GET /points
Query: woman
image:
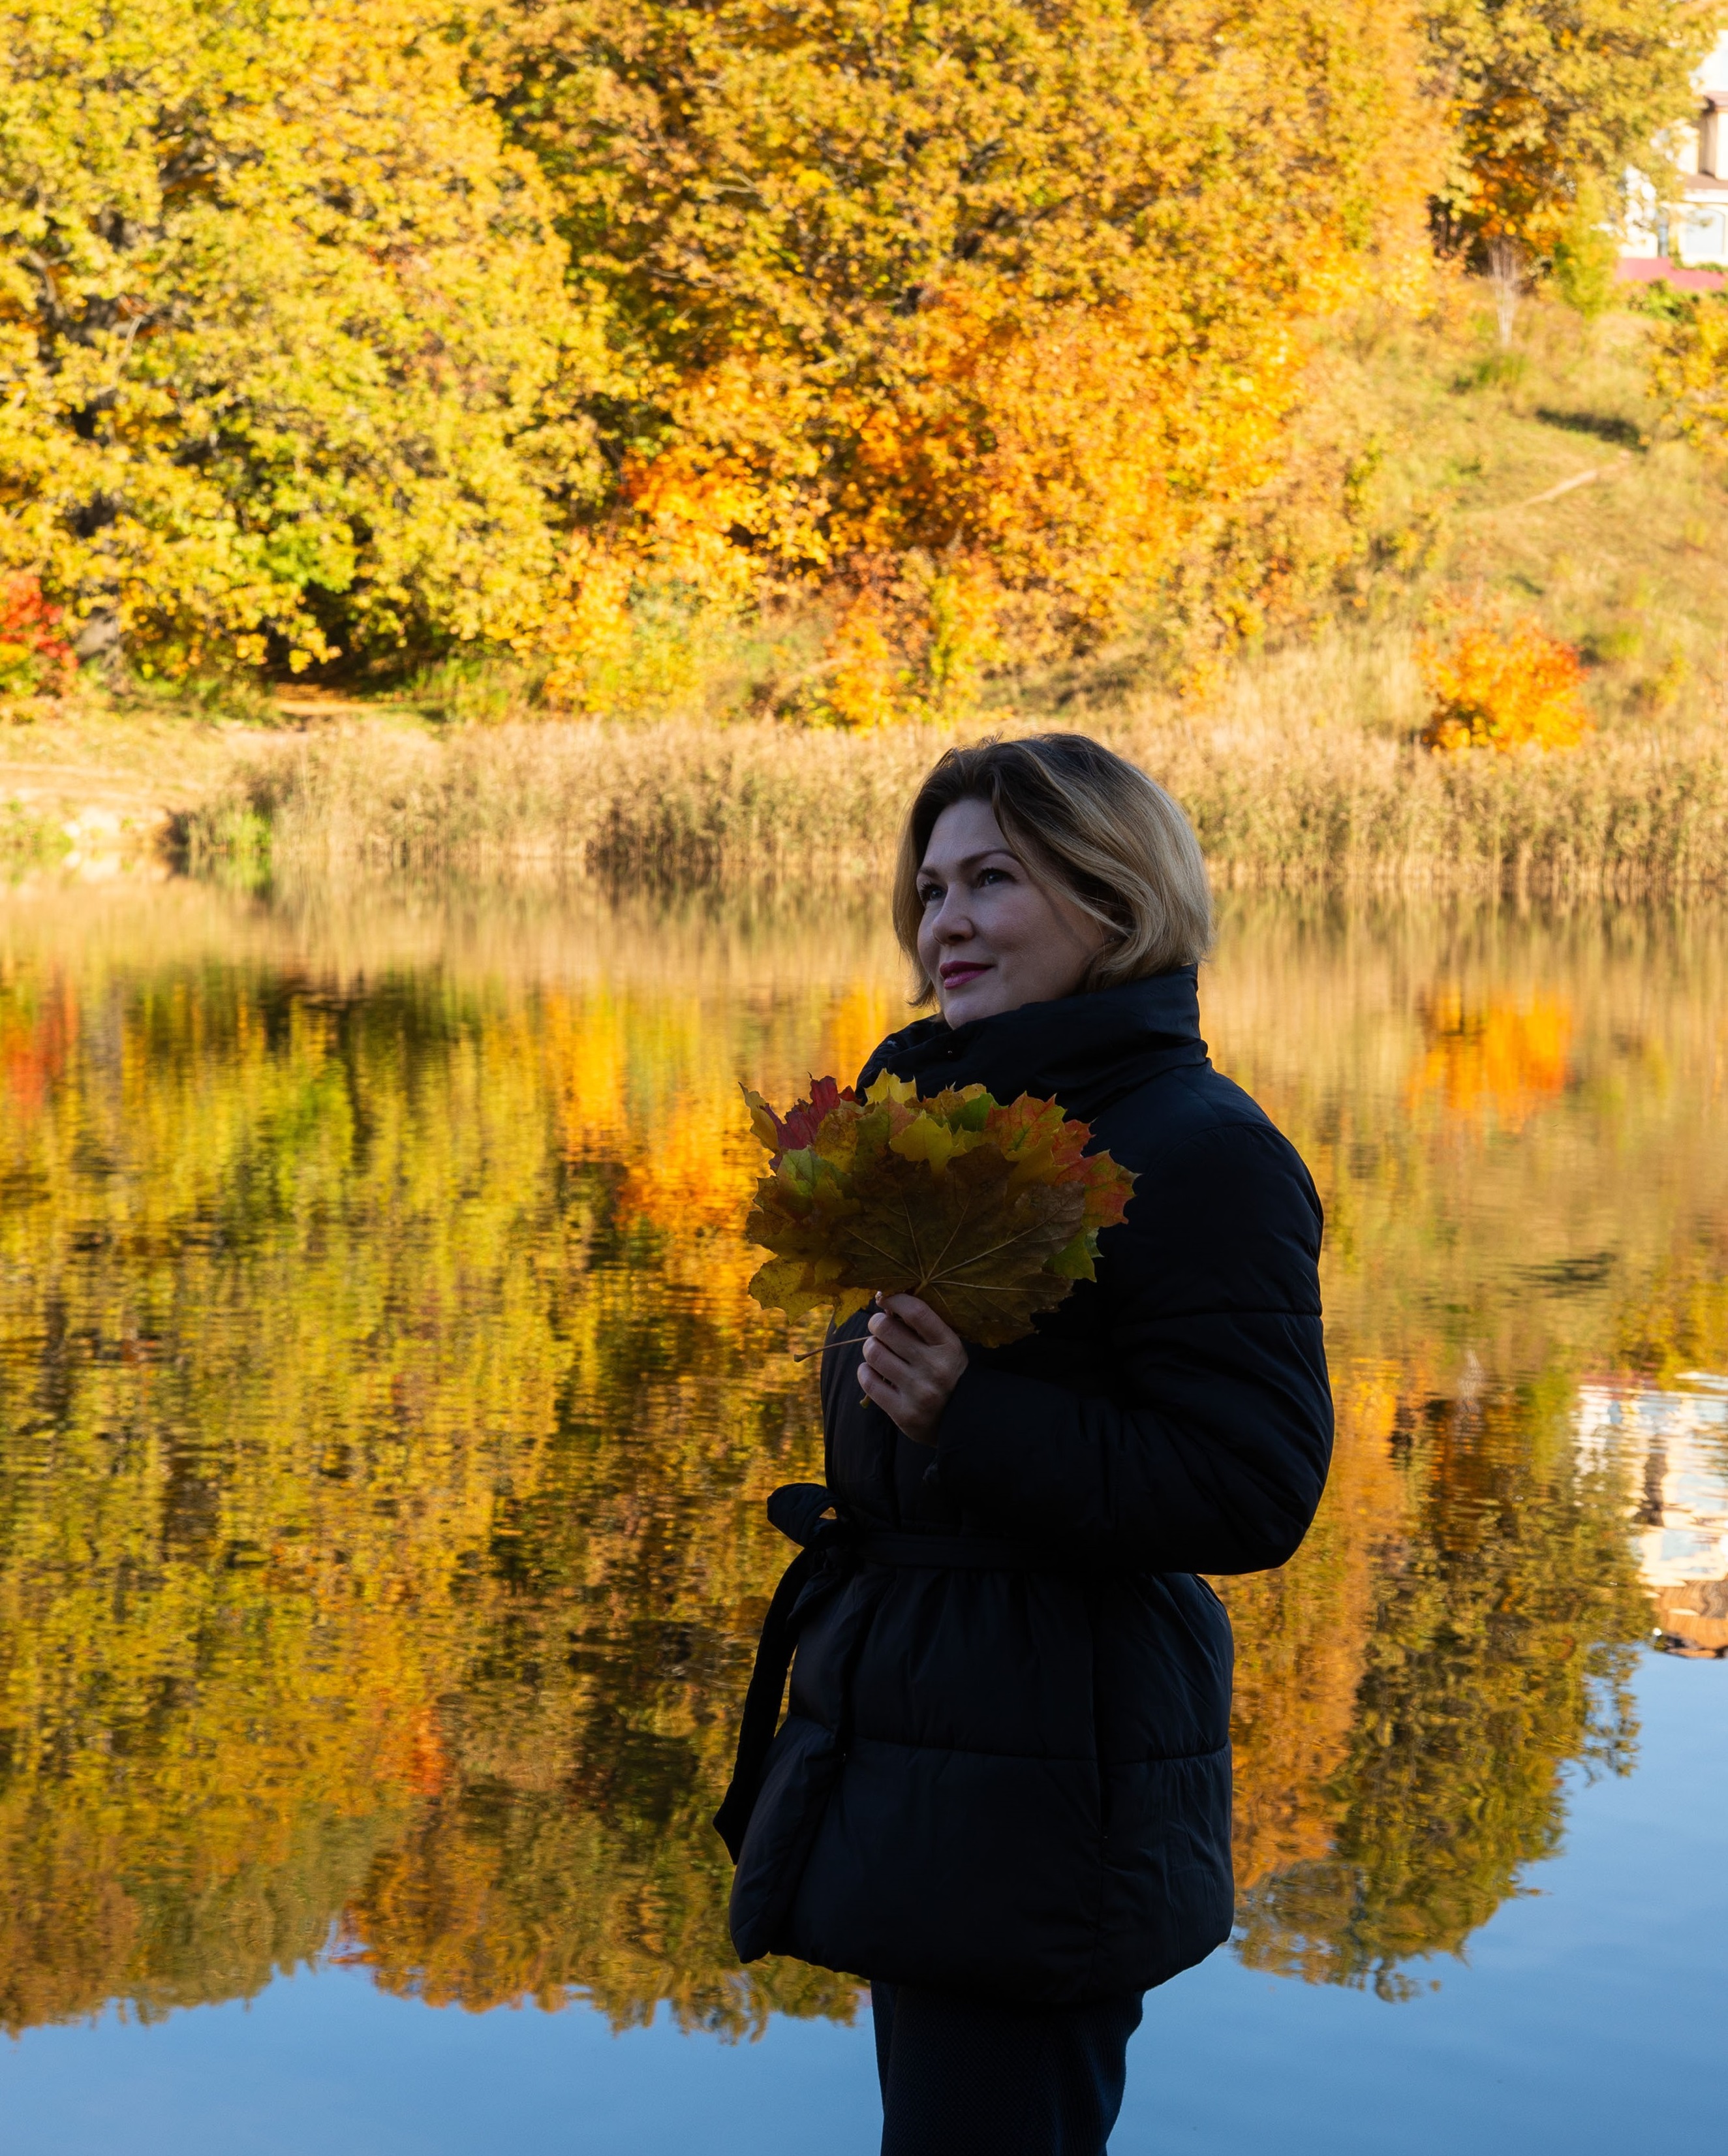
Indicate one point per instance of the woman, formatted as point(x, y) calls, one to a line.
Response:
point(1003, 1789)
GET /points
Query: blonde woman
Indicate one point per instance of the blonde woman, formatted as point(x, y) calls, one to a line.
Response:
point(1002, 1790)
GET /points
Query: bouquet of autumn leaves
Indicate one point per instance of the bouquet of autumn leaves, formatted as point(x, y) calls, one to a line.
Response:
point(988, 1213)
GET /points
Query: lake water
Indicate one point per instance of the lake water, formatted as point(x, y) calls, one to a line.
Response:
point(383, 1435)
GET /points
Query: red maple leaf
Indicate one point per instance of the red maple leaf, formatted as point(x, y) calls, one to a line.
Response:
point(797, 1128)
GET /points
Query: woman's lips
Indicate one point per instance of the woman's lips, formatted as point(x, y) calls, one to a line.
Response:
point(957, 976)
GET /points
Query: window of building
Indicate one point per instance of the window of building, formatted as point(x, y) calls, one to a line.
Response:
point(1702, 236)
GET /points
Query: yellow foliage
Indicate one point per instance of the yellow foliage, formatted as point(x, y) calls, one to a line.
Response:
point(867, 672)
point(1503, 683)
point(339, 326)
point(1548, 101)
point(288, 361)
point(1689, 371)
point(351, 329)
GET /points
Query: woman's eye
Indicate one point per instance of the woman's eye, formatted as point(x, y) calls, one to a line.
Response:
point(930, 894)
point(993, 875)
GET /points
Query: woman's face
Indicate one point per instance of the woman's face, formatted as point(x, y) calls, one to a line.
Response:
point(990, 937)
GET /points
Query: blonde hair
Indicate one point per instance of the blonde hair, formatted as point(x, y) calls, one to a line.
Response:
point(1089, 826)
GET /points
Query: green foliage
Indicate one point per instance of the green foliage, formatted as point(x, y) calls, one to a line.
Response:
point(29, 840)
point(1495, 369)
point(1585, 257)
point(1660, 299)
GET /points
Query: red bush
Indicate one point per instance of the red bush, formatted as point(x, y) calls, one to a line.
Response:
point(34, 657)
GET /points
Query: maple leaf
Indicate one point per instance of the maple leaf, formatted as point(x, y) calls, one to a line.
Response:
point(988, 1214)
point(976, 1251)
point(797, 1128)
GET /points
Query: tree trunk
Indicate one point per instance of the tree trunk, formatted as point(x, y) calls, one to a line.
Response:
point(1505, 276)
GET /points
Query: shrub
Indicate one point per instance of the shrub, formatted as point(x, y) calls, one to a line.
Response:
point(1585, 263)
point(33, 656)
point(1688, 370)
point(1503, 684)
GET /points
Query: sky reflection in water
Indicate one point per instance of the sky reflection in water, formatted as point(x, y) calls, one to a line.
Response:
point(382, 1435)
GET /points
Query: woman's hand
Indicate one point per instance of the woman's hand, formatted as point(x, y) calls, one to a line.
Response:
point(912, 1363)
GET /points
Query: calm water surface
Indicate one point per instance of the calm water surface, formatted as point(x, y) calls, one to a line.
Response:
point(383, 1431)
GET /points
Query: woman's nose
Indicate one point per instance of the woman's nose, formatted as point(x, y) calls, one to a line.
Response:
point(952, 920)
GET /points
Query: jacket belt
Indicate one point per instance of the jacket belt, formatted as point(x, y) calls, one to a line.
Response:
point(832, 1549)
point(964, 1553)
point(761, 1702)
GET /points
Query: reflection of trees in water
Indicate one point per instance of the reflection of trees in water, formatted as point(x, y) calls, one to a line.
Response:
point(1497, 1649)
point(383, 1431)
point(376, 1457)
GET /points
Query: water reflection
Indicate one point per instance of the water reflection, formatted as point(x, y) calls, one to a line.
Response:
point(1675, 1445)
point(383, 1427)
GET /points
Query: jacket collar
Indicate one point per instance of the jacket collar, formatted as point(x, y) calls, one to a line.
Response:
point(1086, 1050)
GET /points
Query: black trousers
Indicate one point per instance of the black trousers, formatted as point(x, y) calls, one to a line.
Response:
point(964, 2076)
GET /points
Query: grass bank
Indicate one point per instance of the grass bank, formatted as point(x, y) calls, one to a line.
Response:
point(1304, 771)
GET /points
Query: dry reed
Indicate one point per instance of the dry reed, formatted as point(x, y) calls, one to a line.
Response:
point(686, 804)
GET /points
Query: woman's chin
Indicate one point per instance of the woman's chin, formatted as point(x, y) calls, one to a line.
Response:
point(982, 997)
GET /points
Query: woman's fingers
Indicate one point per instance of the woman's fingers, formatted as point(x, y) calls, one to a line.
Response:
point(894, 1332)
point(881, 1357)
point(917, 1314)
point(911, 1364)
point(906, 1380)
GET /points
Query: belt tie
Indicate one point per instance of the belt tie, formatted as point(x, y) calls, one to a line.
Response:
point(833, 1549)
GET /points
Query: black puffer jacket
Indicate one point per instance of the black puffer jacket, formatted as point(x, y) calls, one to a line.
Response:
point(1006, 1768)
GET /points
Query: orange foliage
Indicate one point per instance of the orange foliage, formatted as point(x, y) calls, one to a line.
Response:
point(1070, 450)
point(1503, 684)
point(1300, 1636)
point(1011, 480)
point(411, 1749)
point(976, 320)
point(1503, 1060)
point(33, 1048)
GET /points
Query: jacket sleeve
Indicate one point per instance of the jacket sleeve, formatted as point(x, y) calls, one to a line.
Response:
point(1210, 1452)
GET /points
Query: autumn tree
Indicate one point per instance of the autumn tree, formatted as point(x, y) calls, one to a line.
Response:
point(290, 366)
point(1550, 102)
point(362, 331)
